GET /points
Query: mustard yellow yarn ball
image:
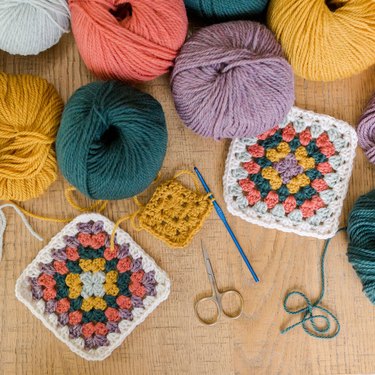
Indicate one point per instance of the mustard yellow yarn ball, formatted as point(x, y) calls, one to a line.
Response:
point(30, 112)
point(325, 40)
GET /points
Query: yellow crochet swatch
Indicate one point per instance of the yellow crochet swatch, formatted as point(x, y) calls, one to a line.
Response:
point(175, 214)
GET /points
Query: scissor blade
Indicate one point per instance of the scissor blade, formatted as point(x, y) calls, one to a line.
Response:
point(209, 269)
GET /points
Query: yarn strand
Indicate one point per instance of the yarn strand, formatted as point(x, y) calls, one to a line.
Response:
point(308, 311)
point(3, 224)
point(97, 206)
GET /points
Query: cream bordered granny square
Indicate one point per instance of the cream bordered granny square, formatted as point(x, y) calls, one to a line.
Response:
point(294, 177)
point(89, 296)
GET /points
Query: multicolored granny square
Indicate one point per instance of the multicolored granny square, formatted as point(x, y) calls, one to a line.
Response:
point(294, 177)
point(89, 296)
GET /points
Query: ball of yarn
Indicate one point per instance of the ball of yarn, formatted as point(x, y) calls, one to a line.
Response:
point(129, 40)
point(112, 140)
point(30, 113)
point(225, 9)
point(361, 250)
point(231, 80)
point(32, 26)
point(325, 40)
point(366, 131)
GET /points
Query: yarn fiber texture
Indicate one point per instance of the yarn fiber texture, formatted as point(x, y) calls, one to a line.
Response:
point(112, 140)
point(129, 40)
point(225, 9)
point(30, 113)
point(32, 26)
point(366, 131)
point(325, 40)
point(361, 250)
point(231, 80)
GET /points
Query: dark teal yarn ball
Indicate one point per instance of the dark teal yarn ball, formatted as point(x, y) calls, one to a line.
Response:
point(112, 140)
point(361, 250)
point(225, 10)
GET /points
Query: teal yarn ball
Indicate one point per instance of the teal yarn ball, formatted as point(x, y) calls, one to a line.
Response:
point(112, 140)
point(361, 249)
point(225, 10)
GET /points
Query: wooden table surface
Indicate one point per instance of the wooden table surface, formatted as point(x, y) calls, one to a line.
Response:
point(171, 341)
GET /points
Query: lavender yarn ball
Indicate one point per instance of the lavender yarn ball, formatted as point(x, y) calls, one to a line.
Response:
point(231, 80)
point(366, 131)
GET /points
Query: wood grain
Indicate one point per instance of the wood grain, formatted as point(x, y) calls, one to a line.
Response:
point(171, 341)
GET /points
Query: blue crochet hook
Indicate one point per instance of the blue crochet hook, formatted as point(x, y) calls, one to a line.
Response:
point(224, 220)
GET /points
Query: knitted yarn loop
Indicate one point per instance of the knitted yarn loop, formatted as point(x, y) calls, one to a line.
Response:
point(325, 42)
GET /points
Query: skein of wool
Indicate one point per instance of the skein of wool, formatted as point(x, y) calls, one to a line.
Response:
point(112, 140)
point(224, 9)
point(231, 80)
point(130, 41)
point(366, 131)
point(361, 232)
point(30, 27)
point(325, 40)
point(30, 112)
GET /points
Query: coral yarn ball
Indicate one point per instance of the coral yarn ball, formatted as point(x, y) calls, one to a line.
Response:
point(231, 80)
point(325, 40)
point(112, 140)
point(32, 26)
point(225, 9)
point(126, 40)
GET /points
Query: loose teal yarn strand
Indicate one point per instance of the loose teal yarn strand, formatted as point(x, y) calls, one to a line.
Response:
point(308, 311)
point(225, 10)
point(361, 249)
point(361, 254)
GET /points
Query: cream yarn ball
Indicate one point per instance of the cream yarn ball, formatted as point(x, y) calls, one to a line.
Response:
point(28, 27)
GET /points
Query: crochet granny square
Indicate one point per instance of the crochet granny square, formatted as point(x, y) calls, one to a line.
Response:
point(294, 177)
point(175, 214)
point(89, 296)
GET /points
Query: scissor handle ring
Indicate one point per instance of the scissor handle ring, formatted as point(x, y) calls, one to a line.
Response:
point(239, 295)
point(215, 318)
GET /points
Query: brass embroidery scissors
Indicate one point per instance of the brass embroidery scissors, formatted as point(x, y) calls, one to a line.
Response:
point(216, 297)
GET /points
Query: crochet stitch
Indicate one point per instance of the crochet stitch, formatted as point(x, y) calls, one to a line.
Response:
point(175, 214)
point(294, 177)
point(90, 296)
